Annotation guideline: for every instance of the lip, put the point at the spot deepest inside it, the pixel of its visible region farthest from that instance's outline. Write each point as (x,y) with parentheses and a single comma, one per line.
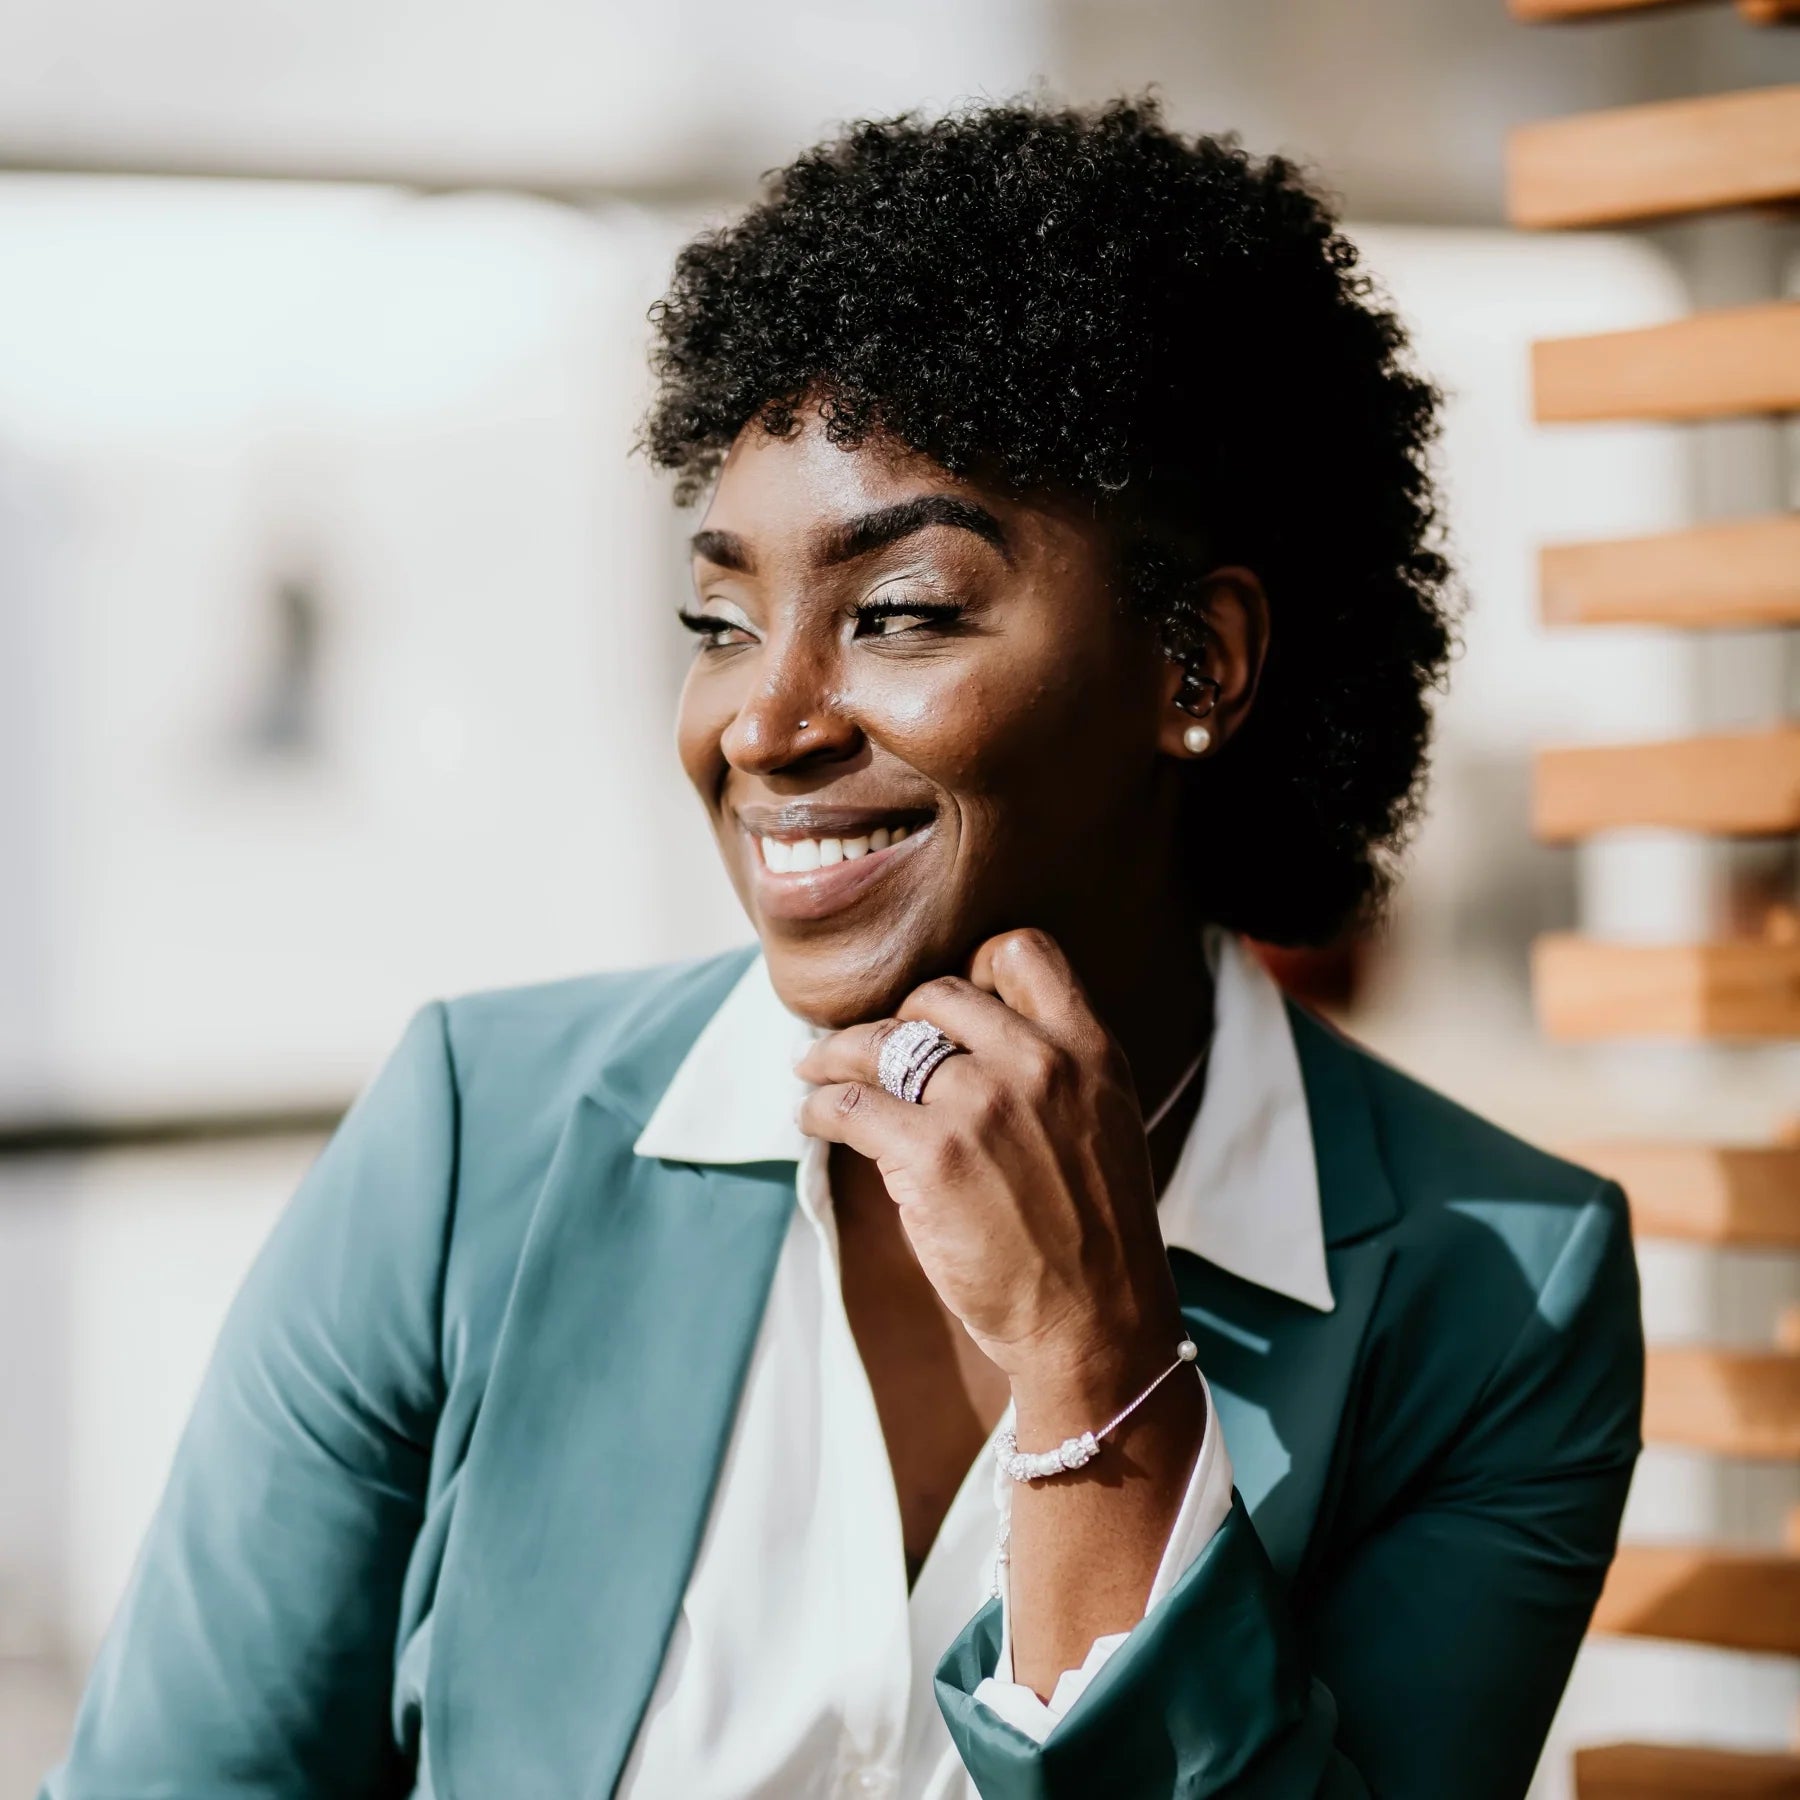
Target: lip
(817,893)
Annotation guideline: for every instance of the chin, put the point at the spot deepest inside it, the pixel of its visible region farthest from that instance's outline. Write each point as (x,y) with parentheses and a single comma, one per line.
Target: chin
(834,986)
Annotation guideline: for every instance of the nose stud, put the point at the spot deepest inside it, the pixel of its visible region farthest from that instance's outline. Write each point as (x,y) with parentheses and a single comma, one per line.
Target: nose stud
(803,724)
(1198,739)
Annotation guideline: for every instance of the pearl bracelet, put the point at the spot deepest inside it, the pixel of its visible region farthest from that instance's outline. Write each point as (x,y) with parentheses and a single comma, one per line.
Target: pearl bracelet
(1071,1453)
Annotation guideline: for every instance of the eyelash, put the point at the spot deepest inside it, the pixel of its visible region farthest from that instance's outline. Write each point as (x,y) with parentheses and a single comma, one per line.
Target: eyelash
(707,628)
(938,614)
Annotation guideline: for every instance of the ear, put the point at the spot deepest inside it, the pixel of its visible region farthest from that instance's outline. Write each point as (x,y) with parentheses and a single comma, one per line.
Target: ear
(1228,665)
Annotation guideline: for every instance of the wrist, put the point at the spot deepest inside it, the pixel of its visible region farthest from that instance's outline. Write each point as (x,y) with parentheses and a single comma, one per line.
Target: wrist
(1072,1386)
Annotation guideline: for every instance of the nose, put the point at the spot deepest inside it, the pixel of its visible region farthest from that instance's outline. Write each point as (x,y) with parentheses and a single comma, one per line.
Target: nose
(790,719)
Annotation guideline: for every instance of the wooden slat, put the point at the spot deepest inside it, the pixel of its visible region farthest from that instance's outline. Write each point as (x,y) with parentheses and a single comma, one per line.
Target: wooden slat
(1731,1402)
(1740,572)
(1735,359)
(1555,12)
(1651,162)
(1587,988)
(1744,785)
(1738,1599)
(1684,1772)
(1709,1193)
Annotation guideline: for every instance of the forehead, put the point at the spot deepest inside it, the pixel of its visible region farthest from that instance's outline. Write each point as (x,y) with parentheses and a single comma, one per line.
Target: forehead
(804,479)
(797,496)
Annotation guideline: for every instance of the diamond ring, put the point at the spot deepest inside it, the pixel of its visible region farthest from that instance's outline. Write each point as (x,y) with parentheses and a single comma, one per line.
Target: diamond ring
(909,1054)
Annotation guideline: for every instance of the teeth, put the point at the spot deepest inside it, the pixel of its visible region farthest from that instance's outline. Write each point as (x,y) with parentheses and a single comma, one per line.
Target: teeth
(796,856)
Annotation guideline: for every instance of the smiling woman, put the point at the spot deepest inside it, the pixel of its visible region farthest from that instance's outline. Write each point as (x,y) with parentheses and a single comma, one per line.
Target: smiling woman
(985,1340)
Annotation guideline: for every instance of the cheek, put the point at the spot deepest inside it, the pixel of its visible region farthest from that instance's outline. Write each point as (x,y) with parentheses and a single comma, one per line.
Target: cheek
(1006,743)
(700,722)
(1029,720)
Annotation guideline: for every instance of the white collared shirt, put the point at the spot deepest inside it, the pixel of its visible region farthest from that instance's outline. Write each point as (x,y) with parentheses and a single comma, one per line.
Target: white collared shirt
(800,1667)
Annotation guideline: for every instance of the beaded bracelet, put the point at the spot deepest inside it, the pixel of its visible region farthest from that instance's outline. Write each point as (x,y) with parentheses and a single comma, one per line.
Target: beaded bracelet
(1071,1453)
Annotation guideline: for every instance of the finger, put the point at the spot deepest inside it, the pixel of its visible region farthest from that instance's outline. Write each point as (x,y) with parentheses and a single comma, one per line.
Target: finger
(847,1055)
(862,1116)
(982,1023)
(1028,971)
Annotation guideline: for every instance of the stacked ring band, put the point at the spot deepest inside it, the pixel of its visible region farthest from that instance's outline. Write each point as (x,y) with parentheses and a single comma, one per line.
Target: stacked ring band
(910,1053)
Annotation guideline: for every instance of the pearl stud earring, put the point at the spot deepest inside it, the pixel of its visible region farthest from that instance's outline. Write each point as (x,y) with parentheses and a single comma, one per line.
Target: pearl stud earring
(1198,740)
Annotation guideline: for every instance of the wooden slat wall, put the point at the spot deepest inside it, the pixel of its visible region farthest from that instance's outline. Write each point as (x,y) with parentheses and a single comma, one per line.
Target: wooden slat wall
(1702,154)
(1647,162)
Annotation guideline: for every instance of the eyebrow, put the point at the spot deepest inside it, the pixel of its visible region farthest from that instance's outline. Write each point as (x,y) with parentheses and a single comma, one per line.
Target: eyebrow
(889,524)
(725,548)
(867,532)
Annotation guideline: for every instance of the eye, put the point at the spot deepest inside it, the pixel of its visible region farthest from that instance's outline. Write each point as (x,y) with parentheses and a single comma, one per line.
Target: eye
(900,617)
(715,631)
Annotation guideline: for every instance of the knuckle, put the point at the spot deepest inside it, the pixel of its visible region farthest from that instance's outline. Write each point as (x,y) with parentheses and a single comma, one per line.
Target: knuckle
(1046,1069)
(950,1158)
(847,1099)
(940,989)
(991,1107)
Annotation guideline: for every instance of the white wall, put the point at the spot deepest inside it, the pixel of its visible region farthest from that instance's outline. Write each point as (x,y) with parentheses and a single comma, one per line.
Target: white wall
(424,410)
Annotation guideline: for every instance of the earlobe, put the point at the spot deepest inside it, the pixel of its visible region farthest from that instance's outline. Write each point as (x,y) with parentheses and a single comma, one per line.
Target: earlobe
(1197,696)
(1216,657)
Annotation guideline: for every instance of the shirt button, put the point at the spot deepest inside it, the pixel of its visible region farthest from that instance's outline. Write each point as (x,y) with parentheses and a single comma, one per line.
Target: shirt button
(875,1781)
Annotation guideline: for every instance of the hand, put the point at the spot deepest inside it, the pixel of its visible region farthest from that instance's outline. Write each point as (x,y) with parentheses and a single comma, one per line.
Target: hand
(1023,1177)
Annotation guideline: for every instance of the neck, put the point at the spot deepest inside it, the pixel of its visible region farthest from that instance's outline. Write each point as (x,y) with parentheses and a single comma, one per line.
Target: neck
(1147,978)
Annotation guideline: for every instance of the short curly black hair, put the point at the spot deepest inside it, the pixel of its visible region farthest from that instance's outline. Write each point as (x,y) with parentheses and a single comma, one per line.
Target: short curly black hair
(1087,303)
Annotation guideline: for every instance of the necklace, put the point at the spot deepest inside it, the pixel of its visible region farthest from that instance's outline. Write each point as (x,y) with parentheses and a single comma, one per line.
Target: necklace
(1175,1093)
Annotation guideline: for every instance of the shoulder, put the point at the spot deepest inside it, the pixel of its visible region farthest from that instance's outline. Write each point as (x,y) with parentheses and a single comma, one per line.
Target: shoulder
(1446,1164)
(518,1062)
(1510,1270)
(533,1051)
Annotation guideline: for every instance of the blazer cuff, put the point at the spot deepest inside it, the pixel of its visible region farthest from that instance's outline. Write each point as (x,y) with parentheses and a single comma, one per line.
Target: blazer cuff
(1203,1510)
(1206,1683)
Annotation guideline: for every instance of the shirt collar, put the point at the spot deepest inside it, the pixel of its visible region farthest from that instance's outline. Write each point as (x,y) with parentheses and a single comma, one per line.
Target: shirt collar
(1245,1191)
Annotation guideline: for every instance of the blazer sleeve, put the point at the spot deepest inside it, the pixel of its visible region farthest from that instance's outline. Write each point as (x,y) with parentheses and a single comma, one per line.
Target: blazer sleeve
(1429,1658)
(253,1652)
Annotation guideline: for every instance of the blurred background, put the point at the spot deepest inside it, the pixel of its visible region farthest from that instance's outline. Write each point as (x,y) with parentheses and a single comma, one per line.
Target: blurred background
(337,656)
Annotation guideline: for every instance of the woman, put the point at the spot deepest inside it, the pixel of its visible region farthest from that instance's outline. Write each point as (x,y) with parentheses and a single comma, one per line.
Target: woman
(594,1424)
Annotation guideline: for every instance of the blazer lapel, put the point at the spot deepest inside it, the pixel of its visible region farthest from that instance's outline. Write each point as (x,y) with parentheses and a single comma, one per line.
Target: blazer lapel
(1281,1372)
(591,1470)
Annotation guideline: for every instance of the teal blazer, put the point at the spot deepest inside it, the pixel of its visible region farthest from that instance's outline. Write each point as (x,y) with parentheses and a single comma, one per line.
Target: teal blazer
(431,1521)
